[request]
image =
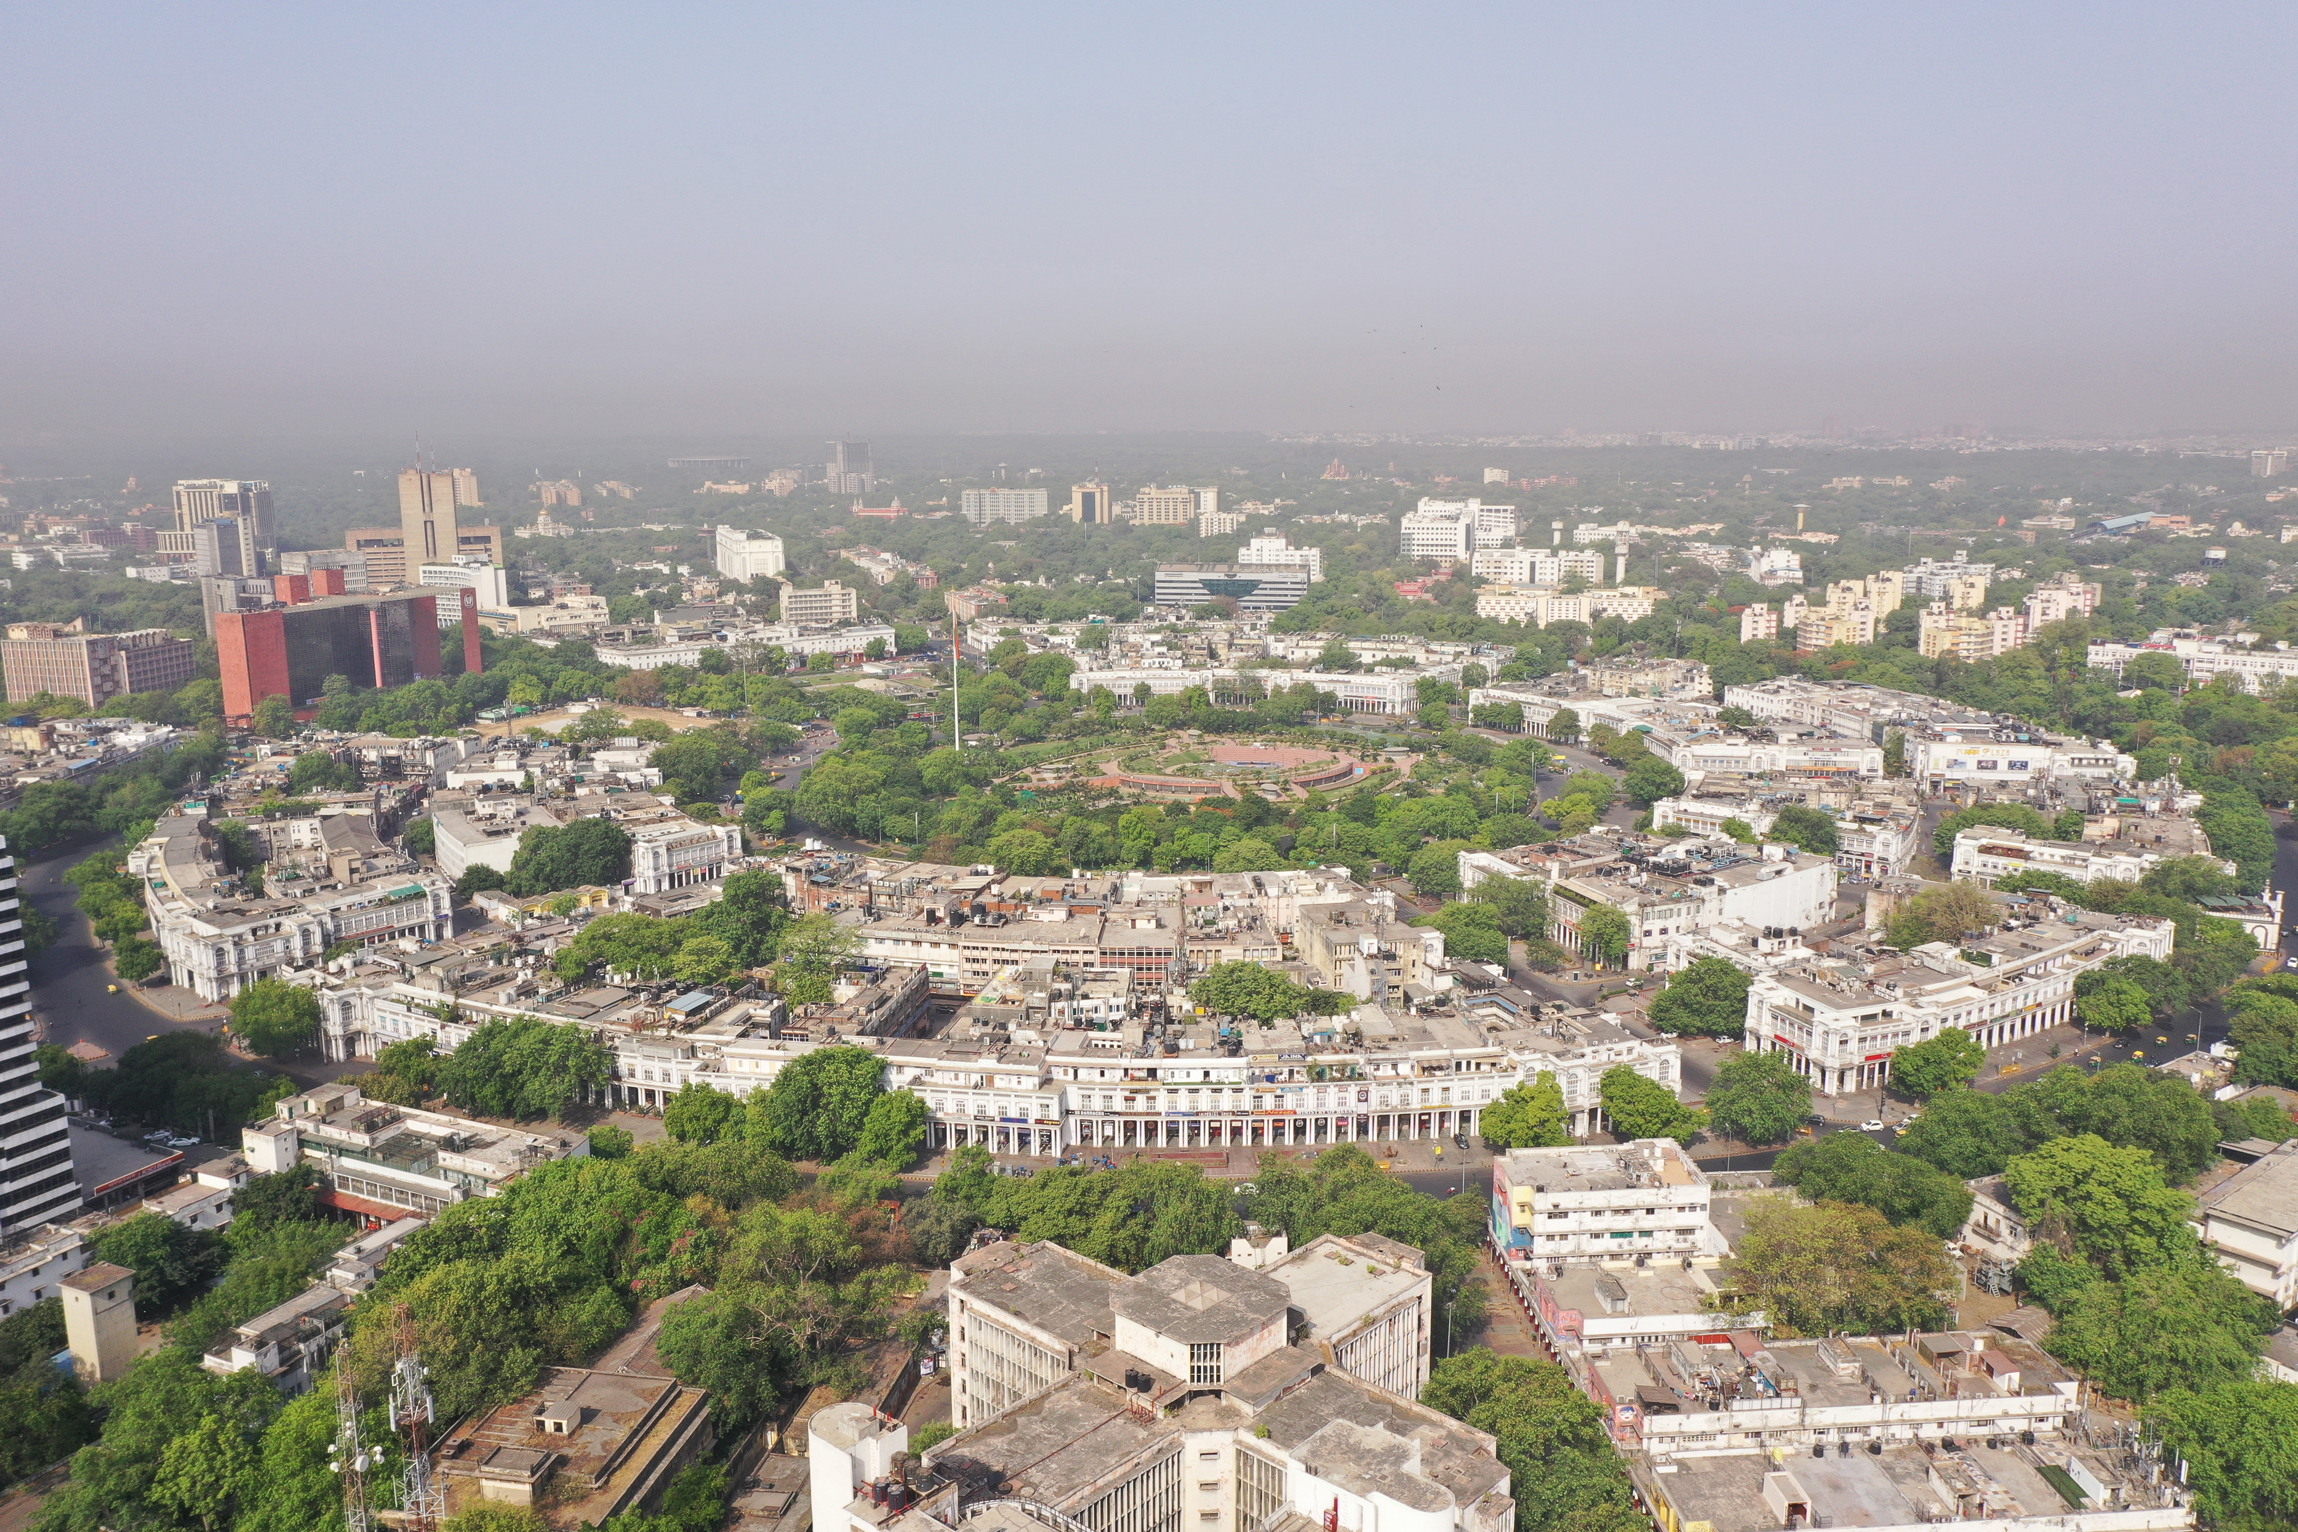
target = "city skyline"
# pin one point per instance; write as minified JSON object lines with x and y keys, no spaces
{"x":2056,"y":221}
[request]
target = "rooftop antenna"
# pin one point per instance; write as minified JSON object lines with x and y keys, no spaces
{"x":424,"y":1499}
{"x":347,"y":1456}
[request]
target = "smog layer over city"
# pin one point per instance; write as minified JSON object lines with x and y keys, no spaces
{"x":1160,"y":769}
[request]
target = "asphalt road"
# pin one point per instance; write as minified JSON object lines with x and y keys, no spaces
{"x":69,"y":979}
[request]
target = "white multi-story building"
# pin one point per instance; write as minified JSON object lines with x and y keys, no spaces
{"x":1803,"y":757}
{"x":1270,"y":551}
{"x":1775,"y":566}
{"x":2056,"y":600}
{"x":1537,"y":566}
{"x":492,"y":582}
{"x":827,"y":606}
{"x":2250,"y":1222}
{"x":1985,"y":853}
{"x":1841,"y":1023}
{"x":1595,"y":1204}
{"x":668,"y":848}
{"x":743,"y":555}
{"x":38,"y":1183}
{"x":219,"y":937}
{"x":993,"y":506}
{"x":1254,"y":587}
{"x":1758,"y":620}
{"x":1444,"y":530}
{"x":2204,"y":659}
{"x":1020,"y":1316}
{"x":483,"y":832}
{"x":384,"y":1162}
{"x":1161,"y":507}
{"x":1539,"y":606}
{"x":1495,"y":524}
{"x":1949,"y":757}
{"x":1943,"y":579}
{"x":1220,"y":523}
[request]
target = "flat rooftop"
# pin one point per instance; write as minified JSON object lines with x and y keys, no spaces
{"x":1334,"y":1286}
{"x":2264,"y":1194}
{"x":1202,"y":1298}
{"x":1907,"y":1484}
{"x":1057,"y":1290}
{"x":1634,"y":1292}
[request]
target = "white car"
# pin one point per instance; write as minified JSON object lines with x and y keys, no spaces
{"x":1871,"y":1125}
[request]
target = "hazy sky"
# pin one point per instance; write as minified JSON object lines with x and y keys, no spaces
{"x":880,"y":219}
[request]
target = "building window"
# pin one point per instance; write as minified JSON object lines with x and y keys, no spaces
{"x":1260,"y":1491}
{"x":1204,"y":1362}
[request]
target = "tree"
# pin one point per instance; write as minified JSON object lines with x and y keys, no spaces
{"x":2105,"y":1203}
{"x":2238,"y":1444}
{"x":275,"y":1018}
{"x":1966,"y":1134}
{"x":1837,"y":1266}
{"x":894,"y":1131}
{"x":1248,"y":989}
{"x":638,"y":945}
{"x":2181,"y":1324}
{"x":1471,"y":932}
{"x":524,"y":1068}
{"x":939,"y":1230}
{"x":1520,"y":905}
{"x":588,"y":853}
{"x":1336,"y":657}
{"x":1606,"y":933}
{"x":1564,"y":726}
{"x":1650,"y":779}
{"x":1851,"y":1167}
{"x":811,"y":950}
{"x":1740,"y":830}
{"x":818,"y":1105}
{"x":1706,"y":998}
{"x":1948,"y":1061}
{"x":704,"y":960}
{"x":1640,"y":1107}
{"x":1527,"y":1116}
{"x":207,"y":1473}
{"x":1435,"y":868}
{"x":700,"y":1114}
{"x":288,"y":1196}
{"x":274,"y":718}
{"x":1758,"y":1098}
{"x":1564,"y":1474}
{"x":1943,"y":912}
{"x":170,"y":1260}
{"x":1810,"y":828}
{"x":2108,"y":1002}
{"x":2165,"y":986}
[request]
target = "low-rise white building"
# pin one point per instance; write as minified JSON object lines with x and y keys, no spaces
{"x":1594,"y":1205}
{"x":486,"y":831}
{"x":1840,"y":1022}
{"x":219,"y":935}
{"x":2250,"y":1222}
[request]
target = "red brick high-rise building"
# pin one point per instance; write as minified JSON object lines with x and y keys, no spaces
{"x":290,"y":650}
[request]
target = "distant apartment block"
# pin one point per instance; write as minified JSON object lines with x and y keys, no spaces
{"x":1776,"y":566}
{"x":1171,"y":507}
{"x":2069,"y":595}
{"x":1758,"y":621}
{"x":558,"y":491}
{"x":1537,"y":566}
{"x":41,"y":657}
{"x":1949,"y":580}
{"x":850,"y":470}
{"x":1495,"y":475}
{"x":1948,"y":633}
{"x":1438,"y":529}
{"x":1090,"y":505}
{"x":1270,"y":550}
{"x":1220,"y":523}
{"x":743,"y":555}
{"x":826,"y":607}
{"x":1255,"y":588}
{"x":2265,"y":464}
{"x":244,"y":502}
{"x":988,"y":507}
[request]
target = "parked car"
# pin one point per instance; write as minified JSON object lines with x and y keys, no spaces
{"x":1871,"y":1125}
